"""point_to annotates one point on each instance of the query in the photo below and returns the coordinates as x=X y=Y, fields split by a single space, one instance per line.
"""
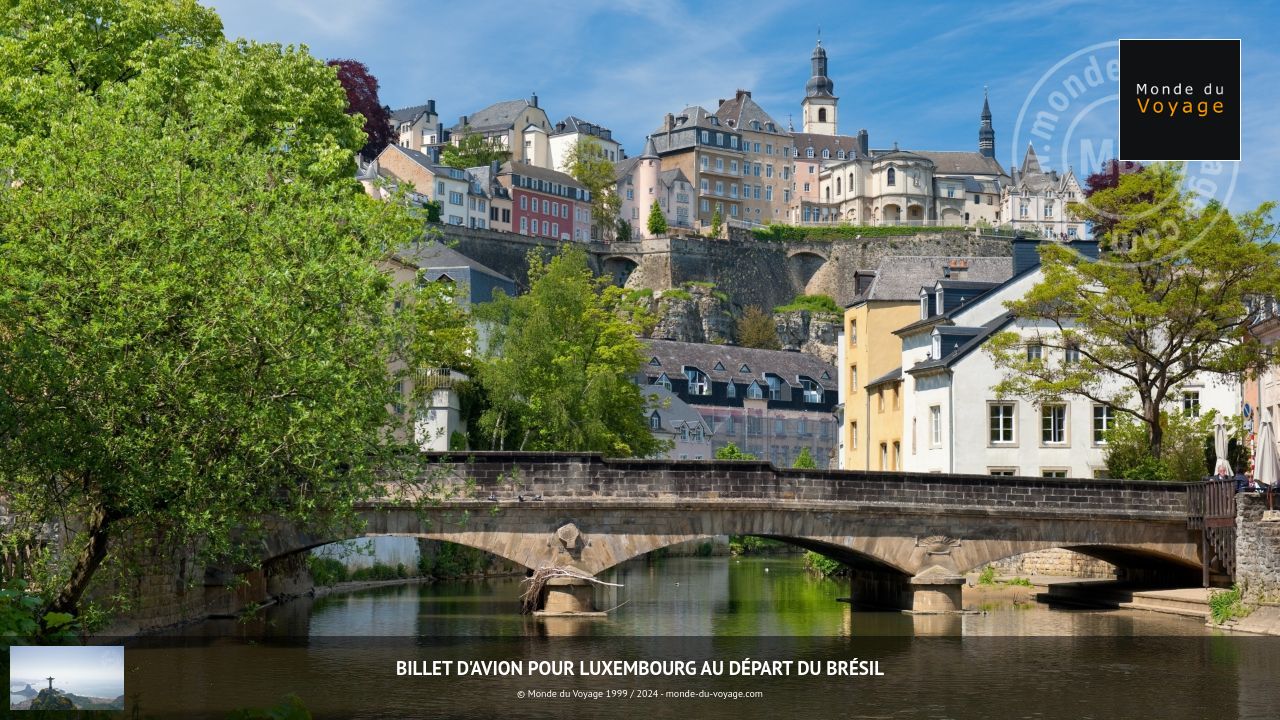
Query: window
x=1191 y=403
x=822 y=114
x=1001 y=423
x=733 y=166
x=1002 y=471
x=1034 y=351
x=720 y=164
x=546 y=227
x=935 y=426
x=779 y=428
x=951 y=191
x=812 y=390
x=524 y=225
x=1053 y=472
x=733 y=211
x=1048 y=208
x=806 y=187
x=706 y=163
x=1104 y=418
x=809 y=153
x=655 y=422
x=706 y=186
x=698 y=383
x=730 y=390
x=892 y=177
x=706 y=206
x=775 y=386
x=754 y=391
x=706 y=136
x=884 y=456
x=719 y=187
x=546 y=207
x=853 y=434
x=1053 y=424
x=897 y=455
x=1072 y=353
x=826 y=154
x=663 y=381
x=440 y=187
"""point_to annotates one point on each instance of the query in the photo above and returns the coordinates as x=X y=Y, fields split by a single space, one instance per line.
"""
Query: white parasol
x=1266 y=467
x=1220 y=449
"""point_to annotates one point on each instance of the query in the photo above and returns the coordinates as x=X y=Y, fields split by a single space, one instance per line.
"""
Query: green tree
x=716 y=223
x=586 y=162
x=1166 y=303
x=805 y=460
x=563 y=358
x=623 y=233
x=193 y=332
x=756 y=329
x=1182 y=457
x=657 y=221
x=731 y=452
x=472 y=150
x=441 y=331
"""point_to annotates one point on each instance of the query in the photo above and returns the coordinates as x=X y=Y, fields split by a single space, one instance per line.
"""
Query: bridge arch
x=802 y=265
x=618 y=268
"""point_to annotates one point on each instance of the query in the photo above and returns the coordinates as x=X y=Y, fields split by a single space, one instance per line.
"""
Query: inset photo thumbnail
x=66 y=678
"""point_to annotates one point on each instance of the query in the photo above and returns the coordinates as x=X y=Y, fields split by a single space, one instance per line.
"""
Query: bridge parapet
x=586 y=476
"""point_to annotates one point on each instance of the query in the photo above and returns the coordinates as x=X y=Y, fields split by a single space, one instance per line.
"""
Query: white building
x=953 y=421
x=570 y=130
x=518 y=126
x=1036 y=200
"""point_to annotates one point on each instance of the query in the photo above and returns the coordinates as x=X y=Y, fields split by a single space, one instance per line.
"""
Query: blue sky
x=911 y=73
x=90 y=670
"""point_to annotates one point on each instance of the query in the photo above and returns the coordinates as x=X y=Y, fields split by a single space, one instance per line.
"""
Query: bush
x=824 y=565
x=987 y=576
x=812 y=303
x=677 y=294
x=731 y=452
x=379 y=571
x=452 y=561
x=1182 y=453
x=326 y=570
x=752 y=545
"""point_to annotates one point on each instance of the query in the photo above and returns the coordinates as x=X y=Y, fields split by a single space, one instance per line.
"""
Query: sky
x=910 y=73
x=88 y=670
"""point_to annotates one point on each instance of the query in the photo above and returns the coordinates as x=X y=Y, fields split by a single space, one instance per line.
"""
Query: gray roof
x=832 y=143
x=574 y=124
x=901 y=277
x=624 y=167
x=672 y=411
x=498 y=116
x=436 y=255
x=978 y=335
x=894 y=374
x=947 y=162
x=420 y=158
x=694 y=115
x=670 y=177
x=409 y=114
x=673 y=356
x=741 y=111
x=533 y=171
x=1031 y=177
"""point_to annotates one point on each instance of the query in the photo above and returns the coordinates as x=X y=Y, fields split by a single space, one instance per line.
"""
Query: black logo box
x=1180 y=66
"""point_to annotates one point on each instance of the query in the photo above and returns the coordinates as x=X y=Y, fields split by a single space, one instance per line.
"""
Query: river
x=339 y=655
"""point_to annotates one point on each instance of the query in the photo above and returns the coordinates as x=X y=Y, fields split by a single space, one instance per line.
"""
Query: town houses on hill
x=735 y=163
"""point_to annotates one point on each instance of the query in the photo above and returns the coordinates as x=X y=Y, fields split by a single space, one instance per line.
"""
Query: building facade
x=955 y=422
x=710 y=155
x=461 y=200
x=673 y=420
x=871 y=370
x=418 y=128
x=767 y=150
x=517 y=126
x=641 y=181
x=1036 y=200
x=770 y=403
x=566 y=134
x=546 y=203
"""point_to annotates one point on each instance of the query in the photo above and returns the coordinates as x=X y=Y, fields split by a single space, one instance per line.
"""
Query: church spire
x=986 y=133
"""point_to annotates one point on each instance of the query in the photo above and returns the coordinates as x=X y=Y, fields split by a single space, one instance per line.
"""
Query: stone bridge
x=909 y=537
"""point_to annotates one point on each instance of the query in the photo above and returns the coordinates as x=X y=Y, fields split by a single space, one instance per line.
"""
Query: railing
x=1211 y=509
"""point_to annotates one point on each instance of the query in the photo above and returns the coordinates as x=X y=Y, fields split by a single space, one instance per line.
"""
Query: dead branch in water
x=538 y=580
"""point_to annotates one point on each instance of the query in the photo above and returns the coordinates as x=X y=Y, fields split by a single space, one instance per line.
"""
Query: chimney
x=671 y=121
x=533 y=99
x=742 y=92
x=431 y=107
x=462 y=121
x=864 y=142
x=957 y=268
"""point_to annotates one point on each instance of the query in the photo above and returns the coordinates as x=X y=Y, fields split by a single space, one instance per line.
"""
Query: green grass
x=1227 y=605
x=677 y=294
x=326 y=570
x=1020 y=581
x=812 y=303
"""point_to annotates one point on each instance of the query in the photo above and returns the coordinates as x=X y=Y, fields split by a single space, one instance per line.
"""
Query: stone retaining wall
x=1257 y=548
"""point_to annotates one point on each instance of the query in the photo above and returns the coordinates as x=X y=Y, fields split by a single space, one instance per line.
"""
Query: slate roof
x=672 y=411
x=833 y=143
x=901 y=277
x=673 y=356
x=670 y=177
x=947 y=162
x=978 y=334
x=894 y=374
x=1031 y=177
x=421 y=159
x=408 y=114
x=498 y=116
x=533 y=171
x=695 y=115
x=437 y=255
x=624 y=167
x=740 y=111
x=573 y=124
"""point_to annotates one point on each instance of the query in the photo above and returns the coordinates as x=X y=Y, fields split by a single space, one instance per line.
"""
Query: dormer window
x=937 y=346
x=663 y=380
x=937 y=300
x=812 y=390
x=826 y=154
x=808 y=153
x=754 y=391
x=924 y=305
x=655 y=421
x=698 y=382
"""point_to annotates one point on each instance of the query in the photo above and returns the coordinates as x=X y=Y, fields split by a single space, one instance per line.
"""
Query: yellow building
x=871 y=374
